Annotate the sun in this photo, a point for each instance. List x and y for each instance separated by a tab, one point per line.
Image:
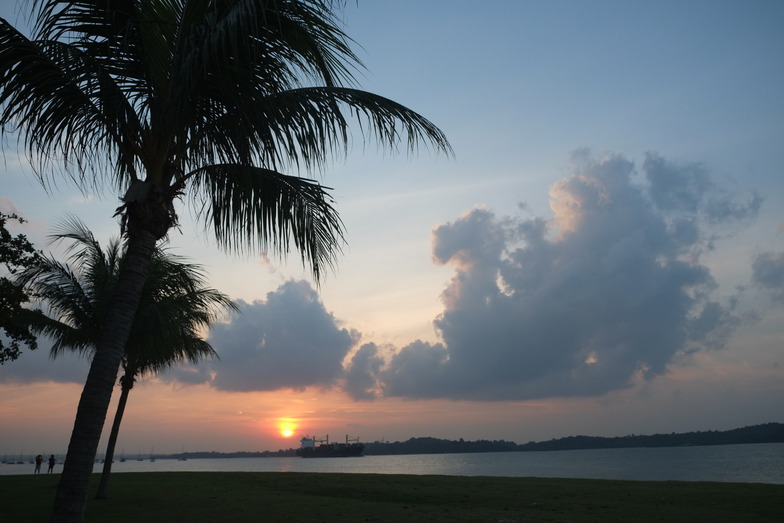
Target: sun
286	427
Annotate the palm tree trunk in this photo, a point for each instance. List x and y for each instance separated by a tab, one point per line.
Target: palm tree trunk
72	490
103	487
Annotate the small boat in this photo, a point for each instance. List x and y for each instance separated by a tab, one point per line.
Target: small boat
314	447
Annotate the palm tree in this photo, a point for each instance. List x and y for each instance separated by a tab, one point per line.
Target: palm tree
175	304
209	101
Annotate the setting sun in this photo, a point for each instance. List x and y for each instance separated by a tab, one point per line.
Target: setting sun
286	427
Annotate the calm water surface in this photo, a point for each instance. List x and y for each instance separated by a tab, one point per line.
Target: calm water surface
758	463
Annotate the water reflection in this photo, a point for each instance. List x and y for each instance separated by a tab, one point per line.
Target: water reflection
763	463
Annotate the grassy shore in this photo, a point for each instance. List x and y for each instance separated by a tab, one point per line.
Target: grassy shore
238	497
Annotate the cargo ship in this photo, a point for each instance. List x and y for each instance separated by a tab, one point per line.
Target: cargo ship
314	447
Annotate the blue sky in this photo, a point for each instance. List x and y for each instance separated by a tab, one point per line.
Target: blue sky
603	255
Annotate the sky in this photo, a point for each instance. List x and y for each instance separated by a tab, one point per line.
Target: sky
603	254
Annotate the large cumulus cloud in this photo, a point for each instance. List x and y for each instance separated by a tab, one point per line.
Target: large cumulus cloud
606	292
288	340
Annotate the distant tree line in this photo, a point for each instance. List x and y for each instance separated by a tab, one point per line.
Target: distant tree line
438	446
282	453
764	433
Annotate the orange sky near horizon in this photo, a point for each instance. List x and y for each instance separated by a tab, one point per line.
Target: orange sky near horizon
167	419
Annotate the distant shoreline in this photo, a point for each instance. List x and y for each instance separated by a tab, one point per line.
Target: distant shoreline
763	433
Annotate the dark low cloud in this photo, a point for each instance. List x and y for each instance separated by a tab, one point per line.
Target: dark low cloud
38	366
288	340
606	292
188	374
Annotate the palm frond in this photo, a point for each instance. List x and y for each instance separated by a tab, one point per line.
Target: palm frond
175	304
69	305
252	206
67	105
165	330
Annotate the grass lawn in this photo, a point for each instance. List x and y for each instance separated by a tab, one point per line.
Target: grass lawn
286	497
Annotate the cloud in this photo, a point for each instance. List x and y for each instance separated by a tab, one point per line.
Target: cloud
689	190
187	374
768	273
607	292
287	341
37	366
681	189
360	380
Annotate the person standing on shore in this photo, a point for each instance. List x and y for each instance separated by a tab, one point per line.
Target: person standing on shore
52	461
38	460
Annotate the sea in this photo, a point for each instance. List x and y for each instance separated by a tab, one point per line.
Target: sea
755	463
